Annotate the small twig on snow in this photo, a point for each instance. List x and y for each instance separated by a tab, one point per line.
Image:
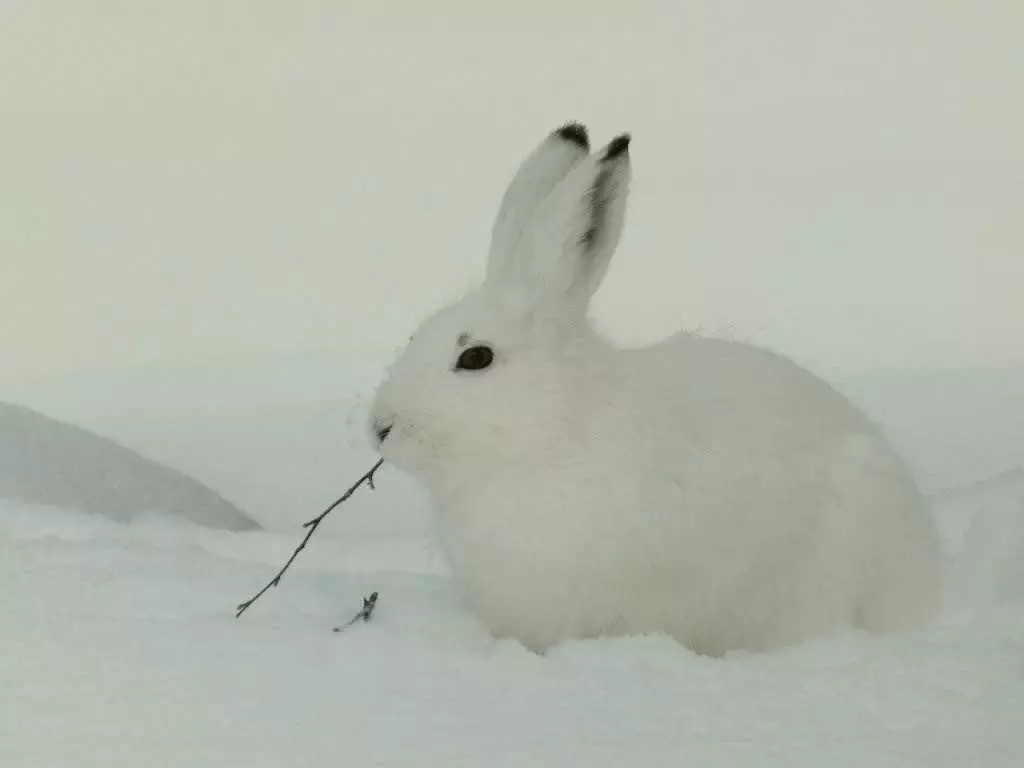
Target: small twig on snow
312	526
369	603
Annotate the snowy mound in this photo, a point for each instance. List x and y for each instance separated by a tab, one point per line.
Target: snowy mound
51	463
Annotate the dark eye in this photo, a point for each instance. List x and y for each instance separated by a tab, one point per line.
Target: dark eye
475	359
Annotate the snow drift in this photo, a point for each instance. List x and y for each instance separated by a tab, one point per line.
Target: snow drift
48	462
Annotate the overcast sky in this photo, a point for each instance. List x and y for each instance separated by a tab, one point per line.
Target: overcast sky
179	181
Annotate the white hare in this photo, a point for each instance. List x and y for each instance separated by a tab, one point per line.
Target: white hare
702	488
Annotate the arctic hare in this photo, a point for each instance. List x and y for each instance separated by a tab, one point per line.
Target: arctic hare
702	488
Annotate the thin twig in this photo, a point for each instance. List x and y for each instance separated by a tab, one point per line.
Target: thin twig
312	526
369	603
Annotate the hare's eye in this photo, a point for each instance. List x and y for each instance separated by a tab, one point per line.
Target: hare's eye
475	358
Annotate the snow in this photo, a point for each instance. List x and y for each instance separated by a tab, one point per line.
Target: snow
45	461
120	648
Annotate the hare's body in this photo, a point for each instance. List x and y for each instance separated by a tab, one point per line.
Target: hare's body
759	508
703	488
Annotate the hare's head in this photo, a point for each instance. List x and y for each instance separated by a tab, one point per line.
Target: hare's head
489	378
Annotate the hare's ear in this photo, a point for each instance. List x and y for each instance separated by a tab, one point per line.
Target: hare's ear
548	163
562	258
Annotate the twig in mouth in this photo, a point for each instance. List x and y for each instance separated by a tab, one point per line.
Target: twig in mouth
312	526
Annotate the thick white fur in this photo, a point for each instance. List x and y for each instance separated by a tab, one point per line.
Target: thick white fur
703	488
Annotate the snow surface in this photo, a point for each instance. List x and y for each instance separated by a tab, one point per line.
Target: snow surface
120	648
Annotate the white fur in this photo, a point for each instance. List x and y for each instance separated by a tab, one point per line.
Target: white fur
704	488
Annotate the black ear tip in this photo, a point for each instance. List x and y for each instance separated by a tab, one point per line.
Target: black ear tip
618	146
576	133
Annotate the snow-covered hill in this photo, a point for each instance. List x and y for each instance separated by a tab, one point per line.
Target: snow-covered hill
48	462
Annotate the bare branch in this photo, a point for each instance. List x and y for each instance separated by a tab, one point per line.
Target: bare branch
312	526
369	603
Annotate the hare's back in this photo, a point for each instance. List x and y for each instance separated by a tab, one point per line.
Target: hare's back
723	377
727	391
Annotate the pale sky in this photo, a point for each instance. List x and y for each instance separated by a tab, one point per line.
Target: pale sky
179	181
